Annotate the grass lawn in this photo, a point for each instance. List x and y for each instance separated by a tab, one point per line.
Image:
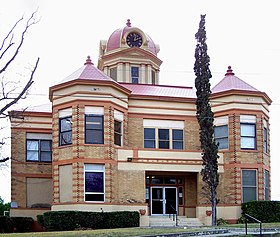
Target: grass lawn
103	233
131	231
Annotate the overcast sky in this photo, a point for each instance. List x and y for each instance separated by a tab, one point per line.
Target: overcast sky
242	34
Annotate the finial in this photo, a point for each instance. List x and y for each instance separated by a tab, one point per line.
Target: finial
88	61
128	23
229	72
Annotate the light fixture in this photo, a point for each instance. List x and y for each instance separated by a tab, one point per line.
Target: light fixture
129	159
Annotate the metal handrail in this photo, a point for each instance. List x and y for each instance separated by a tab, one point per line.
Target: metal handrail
174	215
255	219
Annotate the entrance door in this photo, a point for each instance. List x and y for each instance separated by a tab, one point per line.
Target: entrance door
163	200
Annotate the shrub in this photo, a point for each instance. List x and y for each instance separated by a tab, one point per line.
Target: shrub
15	224
265	211
71	220
40	220
221	221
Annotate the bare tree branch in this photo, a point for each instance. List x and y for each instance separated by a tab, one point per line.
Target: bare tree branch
31	21
23	92
4	159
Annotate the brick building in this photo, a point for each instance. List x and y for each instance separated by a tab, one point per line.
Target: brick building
113	138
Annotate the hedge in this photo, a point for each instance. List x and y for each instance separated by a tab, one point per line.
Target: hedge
15	224
265	211
71	220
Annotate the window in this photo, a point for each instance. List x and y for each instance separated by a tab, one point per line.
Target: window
65	131
266	185
249	185
149	138
265	140
113	73
94	125
163	134
177	139
117	133
163	138
118	127
248	132
221	136
153	77
221	131
135	75
94	183
39	150
65	126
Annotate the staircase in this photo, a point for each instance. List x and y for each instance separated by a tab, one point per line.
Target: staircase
166	221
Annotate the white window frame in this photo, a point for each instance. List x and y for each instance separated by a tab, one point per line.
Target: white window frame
119	117
164	124
96	168
92	111
220	122
248	120
266	185
65	114
256	187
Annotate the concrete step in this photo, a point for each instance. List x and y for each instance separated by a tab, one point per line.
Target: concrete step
168	221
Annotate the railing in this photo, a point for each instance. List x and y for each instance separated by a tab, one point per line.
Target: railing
253	218
174	215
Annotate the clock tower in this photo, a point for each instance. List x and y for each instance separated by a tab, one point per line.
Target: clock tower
130	56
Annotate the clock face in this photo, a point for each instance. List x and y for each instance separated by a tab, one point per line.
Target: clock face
134	40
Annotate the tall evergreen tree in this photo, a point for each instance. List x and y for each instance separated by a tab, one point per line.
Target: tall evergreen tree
205	118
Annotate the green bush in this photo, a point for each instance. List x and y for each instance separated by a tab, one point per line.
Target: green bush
221	221
40	220
15	224
265	211
71	220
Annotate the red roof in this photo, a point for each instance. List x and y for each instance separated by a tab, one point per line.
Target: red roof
231	82
160	90
88	72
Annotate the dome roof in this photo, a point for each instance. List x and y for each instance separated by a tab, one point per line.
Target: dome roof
115	40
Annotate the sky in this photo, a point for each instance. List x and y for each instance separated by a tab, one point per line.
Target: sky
242	34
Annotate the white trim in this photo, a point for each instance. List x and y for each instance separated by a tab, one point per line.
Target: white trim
219	121
94	110
118	115
65	113
41	136
248	119
156	123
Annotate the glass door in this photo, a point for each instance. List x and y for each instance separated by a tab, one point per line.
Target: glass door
163	200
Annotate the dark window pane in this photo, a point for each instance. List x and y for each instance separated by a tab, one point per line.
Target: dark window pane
135	80
177	134
149	133
178	145
46	145
168	180
157	180
149	144
223	143
249	178
94	197
164	144
134	72
94	182
117	139
163	134
221	131
94	122
66	138
46	156
94	137
249	194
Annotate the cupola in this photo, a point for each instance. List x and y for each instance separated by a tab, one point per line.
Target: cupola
130	55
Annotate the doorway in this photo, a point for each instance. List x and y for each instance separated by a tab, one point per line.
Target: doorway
163	200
